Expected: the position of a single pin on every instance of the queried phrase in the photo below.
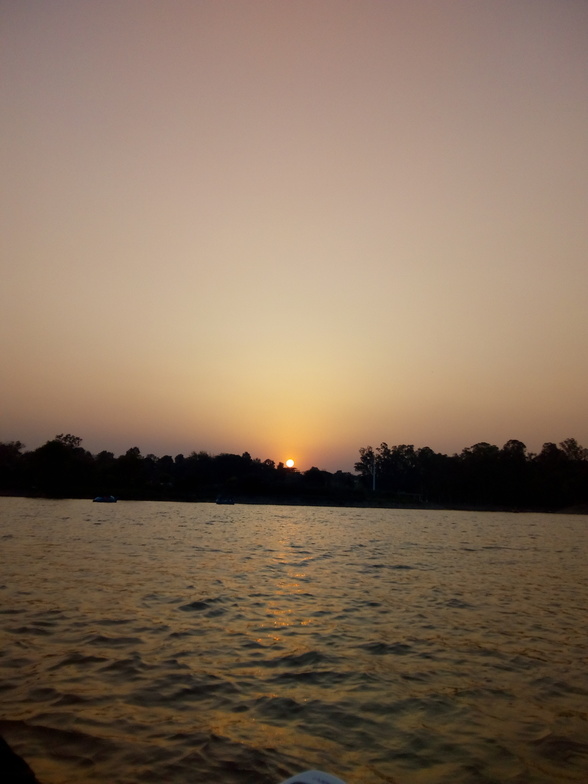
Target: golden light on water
(318, 627)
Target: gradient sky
(294, 227)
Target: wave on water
(172, 644)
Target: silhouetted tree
(561, 475)
(11, 466)
(68, 440)
(61, 468)
(105, 481)
(480, 473)
(366, 465)
(395, 468)
(514, 475)
(435, 476)
(131, 474)
(572, 450)
(317, 478)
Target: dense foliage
(481, 476)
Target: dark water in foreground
(162, 642)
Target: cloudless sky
(294, 227)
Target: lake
(167, 642)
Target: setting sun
(290, 463)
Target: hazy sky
(294, 227)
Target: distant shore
(375, 503)
(483, 477)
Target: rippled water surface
(162, 642)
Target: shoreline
(380, 503)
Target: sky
(293, 227)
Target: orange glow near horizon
(378, 185)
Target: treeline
(481, 476)
(62, 468)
